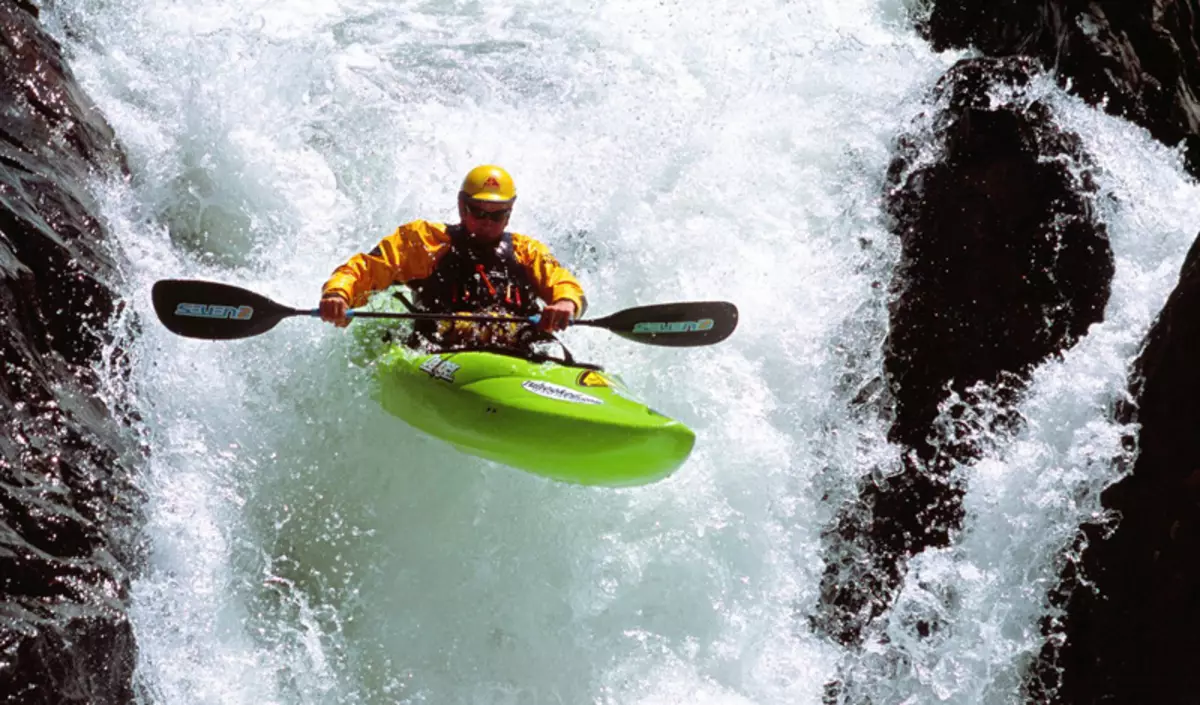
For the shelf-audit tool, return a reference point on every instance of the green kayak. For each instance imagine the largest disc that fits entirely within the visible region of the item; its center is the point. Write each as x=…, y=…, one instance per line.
x=568, y=422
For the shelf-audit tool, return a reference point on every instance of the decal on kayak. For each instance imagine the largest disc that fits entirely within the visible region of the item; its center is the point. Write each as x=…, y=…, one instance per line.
x=438, y=368
x=592, y=378
x=237, y=313
x=554, y=391
x=673, y=326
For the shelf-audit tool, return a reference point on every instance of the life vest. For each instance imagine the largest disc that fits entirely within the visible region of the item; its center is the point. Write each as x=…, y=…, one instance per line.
x=469, y=278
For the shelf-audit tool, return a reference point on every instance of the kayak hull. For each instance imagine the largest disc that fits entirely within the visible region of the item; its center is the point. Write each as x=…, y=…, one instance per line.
x=567, y=423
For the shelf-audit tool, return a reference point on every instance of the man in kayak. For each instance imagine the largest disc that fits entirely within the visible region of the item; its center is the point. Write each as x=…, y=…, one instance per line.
x=474, y=266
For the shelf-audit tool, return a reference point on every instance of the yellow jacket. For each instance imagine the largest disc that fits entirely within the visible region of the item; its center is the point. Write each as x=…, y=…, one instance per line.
x=413, y=251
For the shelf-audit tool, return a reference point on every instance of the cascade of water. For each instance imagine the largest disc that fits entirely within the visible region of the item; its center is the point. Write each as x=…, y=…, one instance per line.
x=307, y=548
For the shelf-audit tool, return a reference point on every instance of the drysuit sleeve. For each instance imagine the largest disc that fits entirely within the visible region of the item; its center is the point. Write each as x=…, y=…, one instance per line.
x=409, y=253
x=552, y=280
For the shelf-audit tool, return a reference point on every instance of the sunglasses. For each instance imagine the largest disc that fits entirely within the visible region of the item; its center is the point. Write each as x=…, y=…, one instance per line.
x=481, y=214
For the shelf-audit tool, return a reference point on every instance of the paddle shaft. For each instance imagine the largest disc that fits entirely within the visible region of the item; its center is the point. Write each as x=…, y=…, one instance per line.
x=601, y=323
x=352, y=314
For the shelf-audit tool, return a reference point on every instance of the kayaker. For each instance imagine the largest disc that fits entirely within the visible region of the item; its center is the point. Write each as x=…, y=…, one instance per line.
x=474, y=266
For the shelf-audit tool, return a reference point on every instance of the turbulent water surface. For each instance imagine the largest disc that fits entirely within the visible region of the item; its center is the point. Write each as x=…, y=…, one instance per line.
x=307, y=548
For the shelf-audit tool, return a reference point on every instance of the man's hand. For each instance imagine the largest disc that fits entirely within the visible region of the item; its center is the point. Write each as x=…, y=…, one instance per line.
x=557, y=315
x=333, y=309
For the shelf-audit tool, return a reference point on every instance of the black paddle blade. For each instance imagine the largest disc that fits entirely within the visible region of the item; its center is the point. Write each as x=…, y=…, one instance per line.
x=214, y=311
x=678, y=325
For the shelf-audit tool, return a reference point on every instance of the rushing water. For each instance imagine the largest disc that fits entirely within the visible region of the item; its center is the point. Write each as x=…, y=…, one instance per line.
x=308, y=548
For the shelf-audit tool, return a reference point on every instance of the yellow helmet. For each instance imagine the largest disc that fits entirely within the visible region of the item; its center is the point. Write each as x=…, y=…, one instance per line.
x=489, y=183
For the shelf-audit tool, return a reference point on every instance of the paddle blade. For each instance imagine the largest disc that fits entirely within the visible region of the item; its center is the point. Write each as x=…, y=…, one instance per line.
x=214, y=311
x=677, y=325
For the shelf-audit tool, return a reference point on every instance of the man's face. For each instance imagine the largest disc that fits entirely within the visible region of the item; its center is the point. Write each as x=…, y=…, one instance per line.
x=485, y=220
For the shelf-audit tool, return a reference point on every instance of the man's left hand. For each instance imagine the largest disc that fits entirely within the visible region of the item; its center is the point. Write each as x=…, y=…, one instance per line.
x=557, y=315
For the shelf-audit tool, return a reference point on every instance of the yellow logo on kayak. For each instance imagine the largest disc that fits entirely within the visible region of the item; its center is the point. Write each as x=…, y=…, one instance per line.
x=592, y=378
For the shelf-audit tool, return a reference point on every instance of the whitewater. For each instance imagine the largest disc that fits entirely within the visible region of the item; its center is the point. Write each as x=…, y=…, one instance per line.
x=305, y=547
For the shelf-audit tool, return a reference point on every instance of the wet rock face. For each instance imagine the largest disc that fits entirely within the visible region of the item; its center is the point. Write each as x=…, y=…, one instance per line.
x=1131, y=631
x=1129, y=626
x=66, y=495
x=1004, y=261
x=1143, y=58
x=1004, y=264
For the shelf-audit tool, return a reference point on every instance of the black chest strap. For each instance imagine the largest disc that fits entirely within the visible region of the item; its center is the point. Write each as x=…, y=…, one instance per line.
x=473, y=278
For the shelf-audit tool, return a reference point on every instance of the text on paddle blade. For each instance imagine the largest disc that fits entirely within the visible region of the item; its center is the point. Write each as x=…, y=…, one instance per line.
x=237, y=313
x=673, y=326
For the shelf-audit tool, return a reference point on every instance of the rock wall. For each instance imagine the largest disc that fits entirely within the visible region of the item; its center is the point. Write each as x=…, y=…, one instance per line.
x=1126, y=630
x=1140, y=60
x=68, y=508
x=1130, y=627
x=1004, y=264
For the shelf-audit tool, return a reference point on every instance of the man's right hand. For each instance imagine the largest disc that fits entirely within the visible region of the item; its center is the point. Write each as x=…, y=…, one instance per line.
x=333, y=309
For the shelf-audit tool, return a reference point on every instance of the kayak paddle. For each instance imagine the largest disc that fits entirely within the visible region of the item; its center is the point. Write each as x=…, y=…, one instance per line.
x=215, y=311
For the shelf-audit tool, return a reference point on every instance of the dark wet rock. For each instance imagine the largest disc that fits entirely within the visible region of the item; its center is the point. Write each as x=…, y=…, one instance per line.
x=67, y=504
x=1004, y=264
x=1141, y=60
x=1128, y=630
x=1130, y=627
